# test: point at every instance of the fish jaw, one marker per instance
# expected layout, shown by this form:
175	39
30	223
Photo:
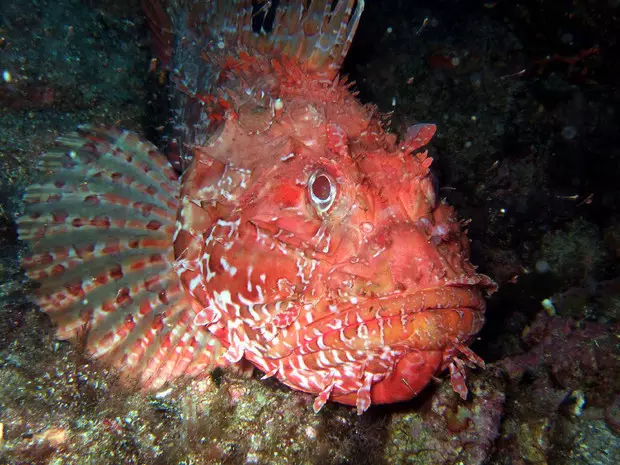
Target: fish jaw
396	343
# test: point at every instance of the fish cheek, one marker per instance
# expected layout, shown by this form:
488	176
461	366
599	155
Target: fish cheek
287	195
253	269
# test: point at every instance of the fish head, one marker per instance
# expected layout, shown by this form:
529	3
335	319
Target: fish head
329	258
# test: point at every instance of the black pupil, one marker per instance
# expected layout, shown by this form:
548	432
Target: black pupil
321	187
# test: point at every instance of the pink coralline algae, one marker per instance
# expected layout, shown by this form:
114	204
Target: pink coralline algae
448	429
576	353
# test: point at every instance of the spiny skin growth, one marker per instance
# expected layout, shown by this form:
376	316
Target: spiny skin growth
307	241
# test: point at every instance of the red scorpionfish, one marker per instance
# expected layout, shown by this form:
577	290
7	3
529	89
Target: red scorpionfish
300	237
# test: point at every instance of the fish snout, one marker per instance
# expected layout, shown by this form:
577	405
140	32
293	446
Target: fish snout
409	254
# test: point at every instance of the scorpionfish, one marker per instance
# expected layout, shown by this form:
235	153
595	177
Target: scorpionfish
284	227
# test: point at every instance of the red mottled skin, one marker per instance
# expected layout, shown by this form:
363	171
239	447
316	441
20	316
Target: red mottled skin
373	301
301	237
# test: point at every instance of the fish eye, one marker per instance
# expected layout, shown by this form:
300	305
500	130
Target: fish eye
322	191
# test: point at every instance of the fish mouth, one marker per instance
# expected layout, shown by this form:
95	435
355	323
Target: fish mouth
427	319
436	318
391	345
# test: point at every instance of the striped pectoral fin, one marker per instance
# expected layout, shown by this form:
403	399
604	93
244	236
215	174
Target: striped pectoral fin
99	225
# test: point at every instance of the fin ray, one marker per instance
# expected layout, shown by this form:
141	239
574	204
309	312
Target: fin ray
210	36
99	225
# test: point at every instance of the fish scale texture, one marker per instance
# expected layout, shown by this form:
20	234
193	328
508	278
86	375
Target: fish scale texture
301	236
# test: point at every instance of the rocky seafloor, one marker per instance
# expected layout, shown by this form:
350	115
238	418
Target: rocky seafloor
527	103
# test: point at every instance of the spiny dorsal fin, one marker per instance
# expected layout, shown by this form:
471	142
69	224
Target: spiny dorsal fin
318	35
195	39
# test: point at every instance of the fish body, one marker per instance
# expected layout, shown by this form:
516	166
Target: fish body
301	237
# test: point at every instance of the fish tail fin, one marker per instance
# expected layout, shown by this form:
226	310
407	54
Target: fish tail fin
100	226
160	24
316	34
